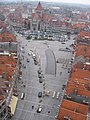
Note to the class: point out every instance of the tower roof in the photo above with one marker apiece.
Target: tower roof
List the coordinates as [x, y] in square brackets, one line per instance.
[39, 7]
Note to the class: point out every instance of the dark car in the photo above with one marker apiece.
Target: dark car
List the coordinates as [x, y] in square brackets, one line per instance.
[63, 42]
[40, 80]
[39, 71]
[67, 48]
[27, 60]
[35, 62]
[40, 94]
[40, 75]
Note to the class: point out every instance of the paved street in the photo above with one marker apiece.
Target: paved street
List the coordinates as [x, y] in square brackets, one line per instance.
[49, 105]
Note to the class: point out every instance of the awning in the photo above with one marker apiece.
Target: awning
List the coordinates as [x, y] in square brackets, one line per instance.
[13, 104]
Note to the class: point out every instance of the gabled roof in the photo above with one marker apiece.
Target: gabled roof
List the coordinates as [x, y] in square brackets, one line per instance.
[7, 37]
[79, 25]
[72, 110]
[83, 50]
[80, 74]
[83, 35]
[81, 65]
[39, 7]
[36, 16]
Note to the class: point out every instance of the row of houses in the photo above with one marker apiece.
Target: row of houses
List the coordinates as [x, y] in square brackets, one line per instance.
[8, 75]
[76, 101]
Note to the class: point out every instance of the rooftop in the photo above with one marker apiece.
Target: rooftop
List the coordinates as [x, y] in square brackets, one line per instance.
[83, 35]
[72, 110]
[83, 50]
[39, 7]
[7, 37]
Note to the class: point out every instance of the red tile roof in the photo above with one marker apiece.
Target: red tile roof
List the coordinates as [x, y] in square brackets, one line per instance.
[83, 34]
[83, 50]
[79, 25]
[7, 37]
[72, 110]
[80, 74]
[9, 60]
[80, 65]
[35, 15]
[39, 7]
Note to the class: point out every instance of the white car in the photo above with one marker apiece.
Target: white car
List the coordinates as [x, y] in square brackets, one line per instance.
[39, 109]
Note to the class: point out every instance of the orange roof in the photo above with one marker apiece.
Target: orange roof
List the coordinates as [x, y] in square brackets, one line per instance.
[80, 74]
[6, 68]
[83, 34]
[78, 88]
[7, 37]
[8, 60]
[79, 81]
[73, 110]
[36, 16]
[80, 65]
[83, 50]
[7, 65]
[79, 25]
[39, 7]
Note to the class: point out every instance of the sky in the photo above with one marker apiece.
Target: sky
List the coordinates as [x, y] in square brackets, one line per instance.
[66, 1]
[70, 1]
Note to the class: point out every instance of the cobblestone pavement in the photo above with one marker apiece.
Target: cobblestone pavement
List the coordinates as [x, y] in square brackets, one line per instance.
[49, 105]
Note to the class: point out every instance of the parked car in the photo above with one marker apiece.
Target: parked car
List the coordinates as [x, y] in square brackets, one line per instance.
[54, 93]
[27, 60]
[63, 42]
[35, 62]
[29, 54]
[39, 109]
[40, 80]
[22, 96]
[57, 96]
[39, 71]
[40, 94]
[40, 75]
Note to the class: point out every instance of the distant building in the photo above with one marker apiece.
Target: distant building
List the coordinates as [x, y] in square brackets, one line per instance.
[44, 21]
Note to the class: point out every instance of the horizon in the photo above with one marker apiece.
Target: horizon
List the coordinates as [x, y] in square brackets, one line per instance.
[85, 2]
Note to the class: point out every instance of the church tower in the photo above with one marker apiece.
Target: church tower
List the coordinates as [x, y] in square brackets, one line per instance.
[39, 9]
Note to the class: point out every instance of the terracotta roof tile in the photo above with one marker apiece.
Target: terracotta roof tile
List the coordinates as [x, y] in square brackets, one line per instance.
[36, 16]
[80, 65]
[83, 50]
[79, 25]
[39, 7]
[83, 35]
[7, 37]
[80, 74]
[72, 110]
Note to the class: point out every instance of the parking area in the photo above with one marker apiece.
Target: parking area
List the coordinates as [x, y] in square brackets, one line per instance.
[33, 107]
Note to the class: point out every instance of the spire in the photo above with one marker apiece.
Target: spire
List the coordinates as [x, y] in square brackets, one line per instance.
[39, 7]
